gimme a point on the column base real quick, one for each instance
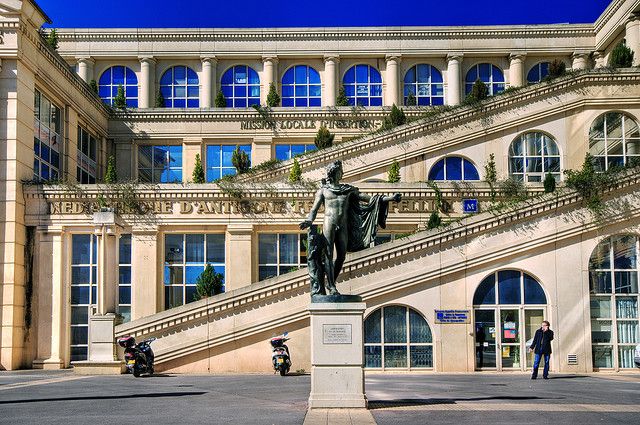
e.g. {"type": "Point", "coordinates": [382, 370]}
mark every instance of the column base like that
{"type": "Point", "coordinates": [48, 364]}
{"type": "Point", "coordinates": [88, 367]}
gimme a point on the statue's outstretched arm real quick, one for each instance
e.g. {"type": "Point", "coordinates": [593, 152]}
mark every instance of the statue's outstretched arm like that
{"type": "Point", "coordinates": [314, 210]}
{"type": "Point", "coordinates": [366, 198]}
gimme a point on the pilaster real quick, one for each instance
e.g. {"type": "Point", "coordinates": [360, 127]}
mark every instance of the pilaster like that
{"type": "Point", "coordinates": [145, 272]}
{"type": "Point", "coordinates": [191, 146]}
{"type": "Point", "coordinates": [261, 149]}
{"type": "Point", "coordinates": [106, 229]}
{"type": "Point", "coordinates": [208, 91]}
{"type": "Point", "coordinates": [238, 268]}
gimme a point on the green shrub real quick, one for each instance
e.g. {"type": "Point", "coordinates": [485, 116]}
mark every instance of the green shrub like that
{"type": "Point", "coordinates": [159, 100]}
{"type": "Point", "coordinates": [220, 100]}
{"type": "Point", "coordinates": [588, 183]}
{"type": "Point", "coordinates": [208, 283]}
{"type": "Point", "coordinates": [295, 175]}
{"type": "Point", "coordinates": [396, 117]}
{"type": "Point", "coordinates": [273, 99]}
{"type": "Point", "coordinates": [557, 68]}
{"type": "Point", "coordinates": [479, 91]}
{"type": "Point", "coordinates": [324, 138]}
{"type": "Point", "coordinates": [240, 160]}
{"type": "Point", "coordinates": [393, 175]}
{"type": "Point", "coordinates": [411, 100]}
{"type": "Point", "coordinates": [111, 176]}
{"type": "Point", "coordinates": [434, 220]}
{"type": "Point", "coordinates": [94, 86]}
{"type": "Point", "coordinates": [52, 39]}
{"type": "Point", "coordinates": [342, 99]}
{"type": "Point", "coordinates": [512, 188]}
{"type": "Point", "coordinates": [621, 56]}
{"type": "Point", "coordinates": [120, 101]}
{"type": "Point", "coordinates": [198, 171]}
{"type": "Point", "coordinates": [490, 173]}
{"type": "Point", "coordinates": [549, 183]}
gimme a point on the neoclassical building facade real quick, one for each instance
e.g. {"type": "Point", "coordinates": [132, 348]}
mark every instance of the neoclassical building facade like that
{"type": "Point", "coordinates": [83, 258]}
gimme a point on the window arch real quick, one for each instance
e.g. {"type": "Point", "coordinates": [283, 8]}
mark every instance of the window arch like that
{"type": "Point", "coordinates": [425, 83]}
{"type": "Point", "coordinates": [241, 86]}
{"type": "Point", "coordinates": [532, 156]}
{"type": "Point", "coordinates": [179, 86]}
{"type": "Point", "coordinates": [509, 287]}
{"type": "Point", "coordinates": [614, 140]}
{"type": "Point", "coordinates": [538, 72]}
{"type": "Point", "coordinates": [363, 86]}
{"type": "Point", "coordinates": [489, 74]}
{"type": "Point", "coordinates": [117, 76]}
{"type": "Point", "coordinates": [613, 283]}
{"type": "Point", "coordinates": [454, 168]}
{"type": "Point", "coordinates": [397, 337]}
{"type": "Point", "coordinates": [301, 87]}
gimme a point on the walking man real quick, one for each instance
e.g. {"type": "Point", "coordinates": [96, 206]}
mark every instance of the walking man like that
{"type": "Point", "coordinates": [541, 346]}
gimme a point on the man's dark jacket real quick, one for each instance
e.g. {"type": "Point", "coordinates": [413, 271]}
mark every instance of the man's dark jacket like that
{"type": "Point", "coordinates": [542, 341]}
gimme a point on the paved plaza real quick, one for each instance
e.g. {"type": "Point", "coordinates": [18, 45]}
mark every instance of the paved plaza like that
{"type": "Point", "coordinates": [61, 397]}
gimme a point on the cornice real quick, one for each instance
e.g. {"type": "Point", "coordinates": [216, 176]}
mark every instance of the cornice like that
{"type": "Point", "coordinates": [608, 13]}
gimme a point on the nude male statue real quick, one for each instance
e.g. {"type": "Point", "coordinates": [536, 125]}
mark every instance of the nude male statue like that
{"type": "Point", "coordinates": [348, 225]}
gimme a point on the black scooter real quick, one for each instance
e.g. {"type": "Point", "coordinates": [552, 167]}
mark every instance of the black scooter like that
{"type": "Point", "coordinates": [138, 358]}
{"type": "Point", "coordinates": [280, 354]}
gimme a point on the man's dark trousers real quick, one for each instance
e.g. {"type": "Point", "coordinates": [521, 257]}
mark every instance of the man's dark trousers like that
{"type": "Point", "coordinates": [536, 364]}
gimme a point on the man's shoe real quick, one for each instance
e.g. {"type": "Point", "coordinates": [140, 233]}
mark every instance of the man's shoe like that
{"type": "Point", "coordinates": [533, 377]}
{"type": "Point", "coordinates": [545, 377]}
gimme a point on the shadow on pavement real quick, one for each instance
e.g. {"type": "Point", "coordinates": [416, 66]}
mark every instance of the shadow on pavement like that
{"type": "Point", "coordinates": [382, 404]}
{"type": "Point", "coordinates": [568, 377]}
{"type": "Point", "coordinates": [106, 397]}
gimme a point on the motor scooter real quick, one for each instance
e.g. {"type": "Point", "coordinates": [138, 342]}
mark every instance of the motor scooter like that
{"type": "Point", "coordinates": [280, 354]}
{"type": "Point", "coordinates": [139, 357]}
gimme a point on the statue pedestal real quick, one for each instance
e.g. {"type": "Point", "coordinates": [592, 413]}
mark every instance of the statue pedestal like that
{"type": "Point", "coordinates": [337, 375]}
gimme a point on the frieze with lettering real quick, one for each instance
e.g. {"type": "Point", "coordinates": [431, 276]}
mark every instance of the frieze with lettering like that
{"type": "Point", "coordinates": [262, 124]}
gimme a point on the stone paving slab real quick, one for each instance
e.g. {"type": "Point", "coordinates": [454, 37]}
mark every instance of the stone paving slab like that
{"type": "Point", "coordinates": [339, 417]}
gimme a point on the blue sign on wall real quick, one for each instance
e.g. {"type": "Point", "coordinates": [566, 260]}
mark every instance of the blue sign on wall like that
{"type": "Point", "coordinates": [453, 316]}
{"type": "Point", "coordinates": [470, 206]}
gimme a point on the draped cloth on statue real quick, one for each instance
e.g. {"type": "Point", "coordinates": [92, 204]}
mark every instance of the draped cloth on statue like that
{"type": "Point", "coordinates": [363, 219]}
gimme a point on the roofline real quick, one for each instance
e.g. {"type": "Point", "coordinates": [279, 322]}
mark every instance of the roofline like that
{"type": "Point", "coordinates": [39, 9]}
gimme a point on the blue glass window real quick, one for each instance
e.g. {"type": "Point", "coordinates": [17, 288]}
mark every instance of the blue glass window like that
{"type": "Point", "coordinates": [486, 292]}
{"type": "Point", "coordinates": [511, 284]}
{"type": "Point", "coordinates": [538, 72]}
{"type": "Point", "coordinates": [47, 138]}
{"type": "Point", "coordinates": [489, 74]}
{"type": "Point", "coordinates": [425, 83]}
{"type": "Point", "coordinates": [159, 164]}
{"type": "Point", "coordinates": [84, 291]}
{"type": "Point", "coordinates": [86, 157]}
{"type": "Point", "coordinates": [453, 168]}
{"type": "Point", "coordinates": [280, 253]}
{"type": "Point", "coordinates": [124, 277]}
{"type": "Point", "coordinates": [117, 76]}
{"type": "Point", "coordinates": [288, 151]}
{"type": "Point", "coordinates": [614, 140]}
{"type": "Point", "coordinates": [179, 87]}
{"type": "Point", "coordinates": [363, 86]}
{"type": "Point", "coordinates": [219, 160]}
{"type": "Point", "coordinates": [532, 156]}
{"type": "Point", "coordinates": [184, 261]}
{"type": "Point", "coordinates": [241, 87]}
{"type": "Point", "coordinates": [301, 87]}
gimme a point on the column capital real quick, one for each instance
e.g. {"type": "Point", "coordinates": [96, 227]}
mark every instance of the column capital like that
{"type": "Point", "coordinates": [85, 59]}
{"type": "Point", "coordinates": [393, 57]}
{"type": "Point", "coordinates": [209, 58]}
{"type": "Point", "coordinates": [581, 55]}
{"type": "Point", "coordinates": [517, 56]}
{"type": "Point", "coordinates": [454, 56]}
{"type": "Point", "coordinates": [270, 58]}
{"type": "Point", "coordinates": [331, 58]}
{"type": "Point", "coordinates": [146, 59]}
{"type": "Point", "coordinates": [240, 229]}
{"type": "Point", "coordinates": [633, 17]}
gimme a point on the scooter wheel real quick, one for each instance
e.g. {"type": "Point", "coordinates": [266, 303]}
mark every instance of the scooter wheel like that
{"type": "Point", "coordinates": [136, 373]}
{"type": "Point", "coordinates": [283, 372]}
{"type": "Point", "coordinates": [151, 371]}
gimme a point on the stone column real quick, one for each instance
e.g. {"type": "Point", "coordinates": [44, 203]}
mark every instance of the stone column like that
{"type": "Point", "coordinates": [146, 272]}
{"type": "Point", "coordinates": [599, 59]}
{"type": "Point", "coordinates": [191, 146]}
{"type": "Point", "coordinates": [106, 231]}
{"type": "Point", "coordinates": [330, 91]}
{"type": "Point", "coordinates": [208, 92]}
{"type": "Point", "coordinates": [580, 60]}
{"type": "Point", "coordinates": [454, 78]}
{"type": "Point", "coordinates": [516, 70]}
{"type": "Point", "coordinates": [392, 79]}
{"type": "Point", "coordinates": [270, 68]}
{"type": "Point", "coordinates": [632, 36]}
{"type": "Point", "coordinates": [239, 264]}
{"type": "Point", "coordinates": [147, 92]}
{"type": "Point", "coordinates": [85, 68]}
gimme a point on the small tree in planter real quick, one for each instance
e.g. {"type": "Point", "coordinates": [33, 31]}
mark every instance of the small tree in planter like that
{"type": "Point", "coordinates": [240, 160]}
{"type": "Point", "coordinates": [434, 220]}
{"type": "Point", "coordinates": [411, 100]}
{"type": "Point", "coordinates": [621, 56]}
{"type": "Point", "coordinates": [120, 101]}
{"type": "Point", "coordinates": [324, 138]}
{"type": "Point", "coordinates": [273, 98]}
{"type": "Point", "coordinates": [342, 99]}
{"type": "Point", "coordinates": [295, 175]}
{"type": "Point", "coordinates": [549, 183]}
{"type": "Point", "coordinates": [557, 68]}
{"type": "Point", "coordinates": [198, 171]}
{"type": "Point", "coordinates": [159, 100]}
{"type": "Point", "coordinates": [491, 175]}
{"type": "Point", "coordinates": [52, 39]}
{"type": "Point", "coordinates": [479, 91]}
{"type": "Point", "coordinates": [94, 86]}
{"type": "Point", "coordinates": [208, 283]}
{"type": "Point", "coordinates": [220, 101]}
{"type": "Point", "coordinates": [393, 175]}
{"type": "Point", "coordinates": [111, 176]}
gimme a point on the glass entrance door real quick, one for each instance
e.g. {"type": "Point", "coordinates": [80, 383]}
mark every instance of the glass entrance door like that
{"type": "Point", "coordinates": [510, 339]}
{"type": "Point", "coordinates": [485, 339]}
{"type": "Point", "coordinates": [532, 321]}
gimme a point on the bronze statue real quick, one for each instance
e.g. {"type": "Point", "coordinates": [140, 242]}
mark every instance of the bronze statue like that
{"type": "Point", "coordinates": [348, 226]}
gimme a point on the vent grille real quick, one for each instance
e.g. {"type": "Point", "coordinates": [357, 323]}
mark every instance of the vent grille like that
{"type": "Point", "coordinates": [572, 359]}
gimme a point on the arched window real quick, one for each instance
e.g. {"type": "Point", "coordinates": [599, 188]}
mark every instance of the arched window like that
{"type": "Point", "coordinates": [538, 72]}
{"type": "Point", "coordinates": [241, 87]}
{"type": "Point", "coordinates": [424, 82]}
{"type": "Point", "coordinates": [453, 168]}
{"type": "Point", "coordinates": [532, 156]}
{"type": "Point", "coordinates": [613, 283]}
{"type": "Point", "coordinates": [115, 77]}
{"type": "Point", "coordinates": [301, 87]}
{"type": "Point", "coordinates": [509, 306]}
{"type": "Point", "coordinates": [614, 140]}
{"type": "Point", "coordinates": [489, 74]}
{"type": "Point", "coordinates": [179, 87]}
{"type": "Point", "coordinates": [363, 86]}
{"type": "Point", "coordinates": [397, 337]}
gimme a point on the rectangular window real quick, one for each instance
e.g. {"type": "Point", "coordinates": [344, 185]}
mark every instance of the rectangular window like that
{"type": "Point", "coordinates": [47, 139]}
{"type": "Point", "coordinates": [185, 257]}
{"type": "Point", "coordinates": [288, 151]}
{"type": "Point", "coordinates": [159, 164]}
{"type": "Point", "coordinates": [87, 154]}
{"type": "Point", "coordinates": [280, 253]}
{"type": "Point", "coordinates": [219, 160]}
{"type": "Point", "coordinates": [84, 291]}
{"type": "Point", "coordinates": [124, 277]}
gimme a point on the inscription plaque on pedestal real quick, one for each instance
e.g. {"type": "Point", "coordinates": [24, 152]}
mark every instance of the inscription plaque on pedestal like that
{"type": "Point", "coordinates": [336, 334]}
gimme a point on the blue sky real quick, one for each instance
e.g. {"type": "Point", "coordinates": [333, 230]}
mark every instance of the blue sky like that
{"type": "Point", "coordinates": [327, 13]}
